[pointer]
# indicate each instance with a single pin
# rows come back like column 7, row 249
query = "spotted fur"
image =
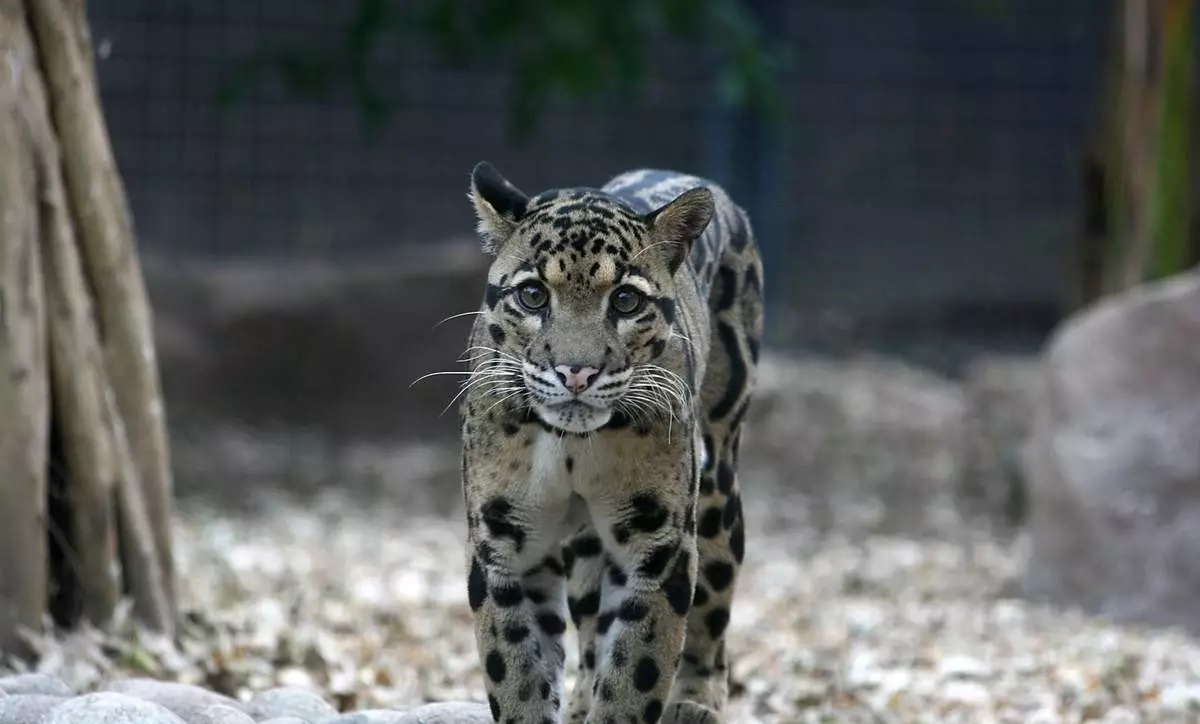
column 611, row 365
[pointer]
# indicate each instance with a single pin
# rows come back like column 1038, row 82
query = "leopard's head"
column 581, row 299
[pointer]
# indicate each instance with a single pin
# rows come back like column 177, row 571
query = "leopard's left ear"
column 680, row 222
column 499, row 206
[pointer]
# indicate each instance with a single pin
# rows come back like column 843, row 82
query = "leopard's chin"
column 574, row 416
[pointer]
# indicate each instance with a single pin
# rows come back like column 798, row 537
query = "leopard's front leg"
column 517, row 593
column 650, row 539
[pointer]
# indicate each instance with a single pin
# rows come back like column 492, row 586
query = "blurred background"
column 930, row 181
column 913, row 168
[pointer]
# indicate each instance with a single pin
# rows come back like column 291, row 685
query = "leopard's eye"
column 627, row 300
column 532, row 295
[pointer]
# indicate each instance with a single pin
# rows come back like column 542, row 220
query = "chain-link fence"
column 929, row 154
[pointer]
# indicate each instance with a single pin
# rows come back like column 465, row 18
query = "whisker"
column 647, row 248
column 455, row 316
column 439, row 374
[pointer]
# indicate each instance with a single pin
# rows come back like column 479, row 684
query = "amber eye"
column 532, row 295
column 627, row 300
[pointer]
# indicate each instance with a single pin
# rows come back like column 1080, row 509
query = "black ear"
column 681, row 222
column 499, row 205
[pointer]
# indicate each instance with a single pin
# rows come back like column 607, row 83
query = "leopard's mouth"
column 576, row 405
column 575, row 416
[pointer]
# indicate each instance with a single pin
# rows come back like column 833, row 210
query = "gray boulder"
column 27, row 708
column 1113, row 460
column 290, row 701
column 34, row 684
column 109, row 707
column 188, row 701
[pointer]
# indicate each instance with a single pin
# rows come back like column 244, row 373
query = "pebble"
column 290, row 701
column 108, row 707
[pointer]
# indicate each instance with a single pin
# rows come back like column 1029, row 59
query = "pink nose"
column 575, row 378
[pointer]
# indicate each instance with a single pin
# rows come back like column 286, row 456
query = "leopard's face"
column 580, row 301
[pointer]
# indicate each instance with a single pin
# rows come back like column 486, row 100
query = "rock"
column 110, row 707
column 290, row 701
column 34, row 684
column 1112, row 464
column 371, row 716
column 188, row 701
column 998, row 398
column 449, row 712
column 219, row 714
column 27, row 708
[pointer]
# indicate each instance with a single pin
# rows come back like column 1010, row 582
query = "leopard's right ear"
column 499, row 206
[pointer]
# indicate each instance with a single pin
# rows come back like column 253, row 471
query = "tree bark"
column 105, row 231
column 24, row 410
column 78, row 384
column 84, row 471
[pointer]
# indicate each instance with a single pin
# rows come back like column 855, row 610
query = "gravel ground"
column 372, row 613
column 864, row 598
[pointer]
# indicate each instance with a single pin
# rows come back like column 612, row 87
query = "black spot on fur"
column 491, row 296
column 716, row 620
column 496, row 670
column 667, row 307
column 497, row 333
column 604, row 622
column 653, row 712
column 588, row 605
column 700, row 597
column 737, row 541
column 510, row 428
column 719, row 574
column 508, row 594
column 649, row 514
column 568, row 558
column 477, row 589
column 653, row 565
column 570, row 462
column 515, row 633
column 725, row 476
column 495, row 707
column 551, row 623
column 497, row 516
column 616, row 576
column 733, row 510
column 678, row 586
column 709, row 524
column 737, row 373
column 587, row 546
column 726, row 282
column 645, row 674
column 633, row 609
column 589, row 658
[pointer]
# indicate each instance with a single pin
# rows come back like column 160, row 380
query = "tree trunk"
column 1140, row 215
column 84, row 471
